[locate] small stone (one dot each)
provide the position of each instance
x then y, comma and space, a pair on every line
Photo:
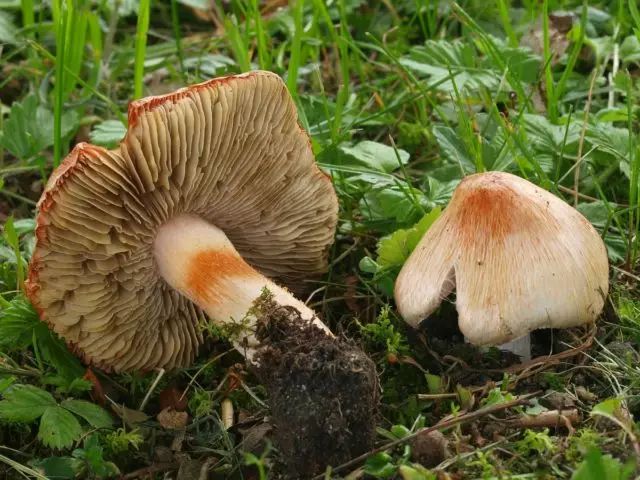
429, 449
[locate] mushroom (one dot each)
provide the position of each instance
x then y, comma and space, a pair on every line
212, 195
518, 257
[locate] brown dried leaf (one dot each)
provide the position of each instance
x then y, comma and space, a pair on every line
171, 397
97, 394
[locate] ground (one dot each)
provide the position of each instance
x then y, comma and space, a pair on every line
401, 99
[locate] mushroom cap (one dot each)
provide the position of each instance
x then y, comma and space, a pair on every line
230, 150
518, 257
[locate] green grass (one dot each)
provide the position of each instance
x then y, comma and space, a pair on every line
402, 100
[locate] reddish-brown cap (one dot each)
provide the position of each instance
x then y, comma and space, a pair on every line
518, 257
229, 150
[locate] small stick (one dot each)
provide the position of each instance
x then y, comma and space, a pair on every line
443, 424
151, 389
552, 418
152, 469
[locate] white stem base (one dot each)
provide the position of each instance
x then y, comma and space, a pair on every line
197, 259
520, 346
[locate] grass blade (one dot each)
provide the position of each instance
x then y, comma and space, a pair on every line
61, 28
141, 43
175, 23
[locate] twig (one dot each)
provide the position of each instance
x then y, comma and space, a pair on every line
552, 418
151, 389
152, 469
576, 173
443, 424
624, 272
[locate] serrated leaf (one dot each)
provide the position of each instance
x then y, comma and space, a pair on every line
95, 415
108, 133
376, 155
25, 403
394, 249
29, 128
59, 428
17, 322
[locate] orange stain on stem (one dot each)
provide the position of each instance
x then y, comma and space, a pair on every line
209, 270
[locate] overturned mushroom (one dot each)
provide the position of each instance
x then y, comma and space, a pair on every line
213, 195
213, 191
518, 257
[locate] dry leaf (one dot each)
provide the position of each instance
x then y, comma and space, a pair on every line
171, 397
97, 394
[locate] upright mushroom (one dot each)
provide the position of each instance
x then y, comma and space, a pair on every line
213, 191
518, 257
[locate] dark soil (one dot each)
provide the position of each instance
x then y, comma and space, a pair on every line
323, 392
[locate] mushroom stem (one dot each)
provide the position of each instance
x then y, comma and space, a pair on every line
197, 259
520, 346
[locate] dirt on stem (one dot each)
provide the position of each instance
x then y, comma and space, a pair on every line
323, 391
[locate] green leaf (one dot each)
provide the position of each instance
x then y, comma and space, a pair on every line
496, 397
434, 383
376, 155
607, 407
56, 353
535, 408
8, 31
383, 204
24, 403
59, 467
109, 133
380, 465
400, 431
596, 212
59, 428
415, 472
94, 414
29, 128
465, 396
453, 148
596, 466
394, 249
6, 383
368, 265
25, 225
211, 65
17, 322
